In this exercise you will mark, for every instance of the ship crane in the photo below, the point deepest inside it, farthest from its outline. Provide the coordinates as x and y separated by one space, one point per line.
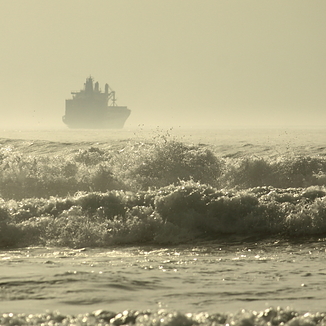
113 99
111 94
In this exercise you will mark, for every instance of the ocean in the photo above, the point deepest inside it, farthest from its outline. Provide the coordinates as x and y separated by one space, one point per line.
170 227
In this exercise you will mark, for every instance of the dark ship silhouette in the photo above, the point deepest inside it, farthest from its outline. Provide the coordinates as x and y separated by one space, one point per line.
91 108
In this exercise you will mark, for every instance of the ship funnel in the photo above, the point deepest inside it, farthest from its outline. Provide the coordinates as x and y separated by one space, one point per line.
97 87
106 89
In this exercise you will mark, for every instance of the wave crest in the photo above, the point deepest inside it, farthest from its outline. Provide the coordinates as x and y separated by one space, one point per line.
174 214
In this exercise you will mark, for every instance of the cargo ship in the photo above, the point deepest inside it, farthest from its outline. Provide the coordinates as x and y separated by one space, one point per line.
90 108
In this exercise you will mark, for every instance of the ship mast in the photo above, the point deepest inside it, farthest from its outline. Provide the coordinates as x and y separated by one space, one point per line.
89 85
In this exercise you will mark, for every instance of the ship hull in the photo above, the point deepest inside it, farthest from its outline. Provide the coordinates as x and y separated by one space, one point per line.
113 117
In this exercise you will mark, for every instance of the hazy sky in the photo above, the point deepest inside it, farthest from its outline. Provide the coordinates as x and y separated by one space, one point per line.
172 62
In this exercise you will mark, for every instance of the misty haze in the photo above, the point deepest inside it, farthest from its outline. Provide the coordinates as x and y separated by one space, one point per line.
173 63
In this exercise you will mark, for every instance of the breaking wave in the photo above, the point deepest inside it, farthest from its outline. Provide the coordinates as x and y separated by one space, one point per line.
159 192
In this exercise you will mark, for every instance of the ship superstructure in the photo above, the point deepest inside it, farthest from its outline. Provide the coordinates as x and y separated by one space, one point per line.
92 108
